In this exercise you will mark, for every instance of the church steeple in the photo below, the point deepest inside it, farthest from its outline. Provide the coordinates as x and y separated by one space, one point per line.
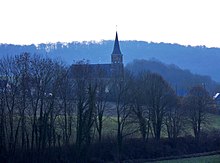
116 49
116 54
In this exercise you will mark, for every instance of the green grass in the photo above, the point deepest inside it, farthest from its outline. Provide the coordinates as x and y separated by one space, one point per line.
201 159
214 121
110 126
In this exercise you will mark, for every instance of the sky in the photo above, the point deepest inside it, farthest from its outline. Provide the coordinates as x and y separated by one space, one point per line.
186 22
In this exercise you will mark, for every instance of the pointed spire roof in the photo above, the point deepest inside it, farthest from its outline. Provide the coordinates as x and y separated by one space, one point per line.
116 49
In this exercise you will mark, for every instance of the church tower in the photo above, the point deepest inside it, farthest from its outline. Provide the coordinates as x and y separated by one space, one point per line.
116 57
117 60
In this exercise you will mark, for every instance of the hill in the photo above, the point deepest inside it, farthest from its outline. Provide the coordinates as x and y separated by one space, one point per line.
199 59
180 80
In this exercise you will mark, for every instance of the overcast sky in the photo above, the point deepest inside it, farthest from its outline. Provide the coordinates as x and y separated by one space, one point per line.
187 22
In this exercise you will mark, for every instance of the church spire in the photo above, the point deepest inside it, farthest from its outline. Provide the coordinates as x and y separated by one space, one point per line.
116 49
117 57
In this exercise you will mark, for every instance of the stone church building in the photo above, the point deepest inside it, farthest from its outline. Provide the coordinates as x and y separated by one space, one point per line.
115 69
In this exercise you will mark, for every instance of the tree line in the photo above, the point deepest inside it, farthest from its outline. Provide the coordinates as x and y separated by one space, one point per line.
46 105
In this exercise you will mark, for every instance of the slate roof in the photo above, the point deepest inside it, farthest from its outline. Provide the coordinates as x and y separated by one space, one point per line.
92 70
116 49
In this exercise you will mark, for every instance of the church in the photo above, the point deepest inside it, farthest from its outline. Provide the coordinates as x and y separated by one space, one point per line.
105 71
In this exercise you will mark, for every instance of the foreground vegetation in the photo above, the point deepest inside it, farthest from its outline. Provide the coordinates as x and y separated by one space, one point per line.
54 113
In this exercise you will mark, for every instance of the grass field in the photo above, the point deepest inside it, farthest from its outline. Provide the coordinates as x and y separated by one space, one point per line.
202 159
214 121
110 126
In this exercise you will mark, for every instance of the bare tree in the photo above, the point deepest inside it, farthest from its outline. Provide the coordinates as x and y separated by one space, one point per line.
85 89
101 102
140 109
197 103
10 97
174 119
3 84
120 92
42 83
22 68
66 104
152 98
159 96
30 103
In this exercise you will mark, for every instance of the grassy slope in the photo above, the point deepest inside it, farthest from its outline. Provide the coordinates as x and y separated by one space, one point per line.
202 159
